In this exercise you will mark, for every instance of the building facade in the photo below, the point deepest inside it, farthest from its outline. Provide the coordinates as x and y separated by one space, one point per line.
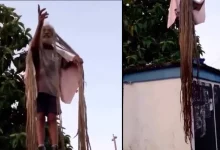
152 111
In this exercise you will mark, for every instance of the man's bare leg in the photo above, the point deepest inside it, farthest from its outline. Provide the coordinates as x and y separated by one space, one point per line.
40 128
52 122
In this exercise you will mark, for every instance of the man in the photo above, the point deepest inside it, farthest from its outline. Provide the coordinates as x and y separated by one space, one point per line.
47 64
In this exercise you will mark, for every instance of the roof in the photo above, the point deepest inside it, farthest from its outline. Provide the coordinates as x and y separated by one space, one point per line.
165 66
168 71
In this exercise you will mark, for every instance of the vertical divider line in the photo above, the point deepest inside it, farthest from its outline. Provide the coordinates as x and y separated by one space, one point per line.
213 102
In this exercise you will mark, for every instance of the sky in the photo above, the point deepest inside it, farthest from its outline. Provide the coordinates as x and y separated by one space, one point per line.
94 30
209 33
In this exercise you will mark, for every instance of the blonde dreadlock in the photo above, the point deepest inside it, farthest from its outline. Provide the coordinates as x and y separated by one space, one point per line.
31 95
83 136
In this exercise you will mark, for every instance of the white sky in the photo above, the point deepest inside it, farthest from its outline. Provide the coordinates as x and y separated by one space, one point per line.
209 33
94 30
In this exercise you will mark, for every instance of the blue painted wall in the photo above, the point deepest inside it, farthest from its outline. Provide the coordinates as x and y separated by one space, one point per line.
168 73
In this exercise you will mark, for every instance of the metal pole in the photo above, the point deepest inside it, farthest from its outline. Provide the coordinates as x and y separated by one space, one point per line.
114 140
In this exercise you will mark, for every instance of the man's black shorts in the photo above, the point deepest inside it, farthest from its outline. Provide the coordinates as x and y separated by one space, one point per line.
46 104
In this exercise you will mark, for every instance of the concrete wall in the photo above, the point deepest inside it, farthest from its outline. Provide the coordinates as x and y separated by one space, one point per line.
151 116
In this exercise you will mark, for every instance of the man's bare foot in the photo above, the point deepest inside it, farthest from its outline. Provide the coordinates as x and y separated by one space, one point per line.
54 147
41 148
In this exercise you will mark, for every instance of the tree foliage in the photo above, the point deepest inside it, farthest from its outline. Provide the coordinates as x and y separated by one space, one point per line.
14 37
146 39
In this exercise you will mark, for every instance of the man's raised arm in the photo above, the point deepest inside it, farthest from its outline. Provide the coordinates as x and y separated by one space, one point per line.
42 15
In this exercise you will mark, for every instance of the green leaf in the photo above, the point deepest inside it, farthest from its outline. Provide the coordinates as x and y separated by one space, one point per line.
21 24
27 31
140 25
148 41
132 58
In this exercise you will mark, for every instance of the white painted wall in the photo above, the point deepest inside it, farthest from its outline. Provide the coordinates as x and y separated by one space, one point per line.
151 116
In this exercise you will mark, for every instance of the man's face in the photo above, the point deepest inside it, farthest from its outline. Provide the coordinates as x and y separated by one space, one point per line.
47 34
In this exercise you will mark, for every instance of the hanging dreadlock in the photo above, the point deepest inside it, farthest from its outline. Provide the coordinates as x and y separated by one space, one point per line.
31 95
83 136
187 45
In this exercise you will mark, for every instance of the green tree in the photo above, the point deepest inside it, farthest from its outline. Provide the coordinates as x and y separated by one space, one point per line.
14 37
146 39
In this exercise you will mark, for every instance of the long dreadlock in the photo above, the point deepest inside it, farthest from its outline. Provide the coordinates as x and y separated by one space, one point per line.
187 45
83 136
31 95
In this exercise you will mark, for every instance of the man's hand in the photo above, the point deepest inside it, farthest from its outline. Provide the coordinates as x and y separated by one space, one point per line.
36 39
42 15
77 60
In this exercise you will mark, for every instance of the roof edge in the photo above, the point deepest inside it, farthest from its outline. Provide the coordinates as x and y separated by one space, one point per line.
165 66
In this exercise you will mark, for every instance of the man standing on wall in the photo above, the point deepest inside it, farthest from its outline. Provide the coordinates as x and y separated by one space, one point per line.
47 63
